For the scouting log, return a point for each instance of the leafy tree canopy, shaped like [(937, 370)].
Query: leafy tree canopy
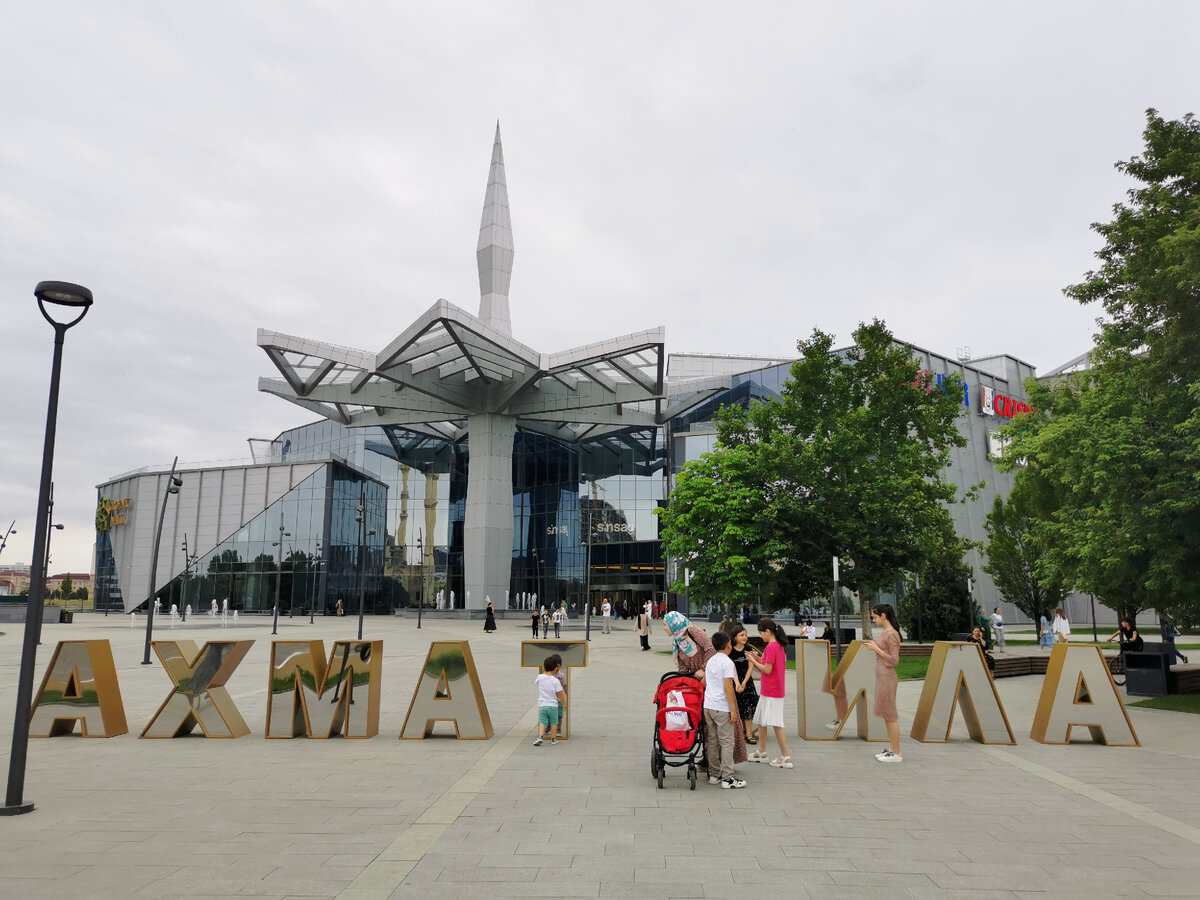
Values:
[(848, 462), (1116, 448)]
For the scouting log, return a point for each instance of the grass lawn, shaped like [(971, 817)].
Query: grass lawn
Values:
[(909, 667), (1188, 703)]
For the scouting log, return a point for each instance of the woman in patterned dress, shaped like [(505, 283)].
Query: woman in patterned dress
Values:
[(693, 648), (887, 650)]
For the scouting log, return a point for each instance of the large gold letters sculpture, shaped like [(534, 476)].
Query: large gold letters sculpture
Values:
[(573, 653), (199, 696), (448, 690), (308, 696), (1079, 690), (958, 678), (81, 686), (821, 694)]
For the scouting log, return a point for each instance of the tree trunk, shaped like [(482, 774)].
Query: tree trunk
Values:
[(865, 601)]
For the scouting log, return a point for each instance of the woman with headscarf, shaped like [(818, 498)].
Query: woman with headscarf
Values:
[(693, 648)]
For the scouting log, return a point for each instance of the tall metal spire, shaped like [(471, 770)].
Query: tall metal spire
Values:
[(494, 253)]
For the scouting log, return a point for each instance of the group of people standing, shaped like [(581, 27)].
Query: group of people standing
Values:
[(738, 714)]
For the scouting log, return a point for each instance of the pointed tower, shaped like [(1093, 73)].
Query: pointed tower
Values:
[(494, 253)]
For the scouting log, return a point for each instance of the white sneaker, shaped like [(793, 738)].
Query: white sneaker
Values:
[(713, 779), (538, 742), (729, 783), (834, 725), (888, 756)]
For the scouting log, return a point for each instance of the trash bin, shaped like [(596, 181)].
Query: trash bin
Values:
[(1146, 671)]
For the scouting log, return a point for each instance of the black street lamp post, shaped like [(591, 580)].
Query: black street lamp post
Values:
[(174, 483), (12, 529), (278, 573), (363, 534), (312, 601), (69, 296), (421, 581), (51, 527)]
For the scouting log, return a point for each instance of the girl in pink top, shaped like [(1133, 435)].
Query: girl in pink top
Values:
[(769, 714)]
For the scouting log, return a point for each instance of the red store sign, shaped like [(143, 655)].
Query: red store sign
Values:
[(992, 403)]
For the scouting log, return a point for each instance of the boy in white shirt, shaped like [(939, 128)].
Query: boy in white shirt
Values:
[(719, 716), (550, 695)]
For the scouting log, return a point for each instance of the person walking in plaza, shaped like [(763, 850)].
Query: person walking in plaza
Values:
[(1061, 627), (545, 614), (1045, 631), (998, 630), (1169, 633), (643, 628), (561, 674), (557, 618), (769, 711), (550, 695), (720, 714), (747, 693), (606, 613), (489, 620), (887, 648), (533, 623)]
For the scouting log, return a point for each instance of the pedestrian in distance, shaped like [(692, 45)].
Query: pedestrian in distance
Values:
[(533, 623), (998, 630), (606, 611), (769, 711), (489, 620), (1045, 631), (887, 650), (557, 619), (1061, 627), (720, 714), (550, 695), (1169, 633), (643, 628)]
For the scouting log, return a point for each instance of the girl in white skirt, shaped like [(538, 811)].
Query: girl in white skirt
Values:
[(769, 713)]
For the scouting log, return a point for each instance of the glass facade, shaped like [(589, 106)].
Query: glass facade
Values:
[(318, 553)]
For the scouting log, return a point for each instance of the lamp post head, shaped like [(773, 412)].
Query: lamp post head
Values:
[(63, 293)]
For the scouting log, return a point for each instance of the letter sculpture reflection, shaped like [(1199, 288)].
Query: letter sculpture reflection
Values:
[(81, 686), (958, 678), (308, 696), (1079, 690), (820, 695), (573, 653), (448, 691), (199, 696)]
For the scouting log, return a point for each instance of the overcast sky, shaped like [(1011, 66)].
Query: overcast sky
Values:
[(737, 173)]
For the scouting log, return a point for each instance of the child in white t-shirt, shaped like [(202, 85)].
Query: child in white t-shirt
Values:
[(550, 695), (720, 713)]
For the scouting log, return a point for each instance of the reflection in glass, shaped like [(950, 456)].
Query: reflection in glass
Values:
[(448, 691), (80, 686), (199, 696), (309, 696)]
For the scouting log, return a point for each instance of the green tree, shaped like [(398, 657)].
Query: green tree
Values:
[(65, 587), (848, 462), (940, 605), (1015, 560), (1118, 445)]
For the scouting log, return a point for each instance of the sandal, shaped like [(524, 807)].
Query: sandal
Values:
[(782, 762), (751, 739), (758, 757)]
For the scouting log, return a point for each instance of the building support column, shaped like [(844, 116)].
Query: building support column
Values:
[(488, 529)]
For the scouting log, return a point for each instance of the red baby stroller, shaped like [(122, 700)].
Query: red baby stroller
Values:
[(678, 725)]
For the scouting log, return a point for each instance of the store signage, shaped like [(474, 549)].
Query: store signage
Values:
[(927, 379), (110, 513), (614, 528), (993, 403)]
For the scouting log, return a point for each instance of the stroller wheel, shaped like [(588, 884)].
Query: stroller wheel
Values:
[(692, 776), (660, 775), (654, 764)]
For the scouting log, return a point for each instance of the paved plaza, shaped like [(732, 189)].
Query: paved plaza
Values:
[(378, 818)]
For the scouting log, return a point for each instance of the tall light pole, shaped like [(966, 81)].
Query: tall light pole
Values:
[(189, 560), (837, 608), (174, 483), (421, 582), (77, 298), (312, 601), (278, 572), (51, 527), (363, 534), (11, 531)]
